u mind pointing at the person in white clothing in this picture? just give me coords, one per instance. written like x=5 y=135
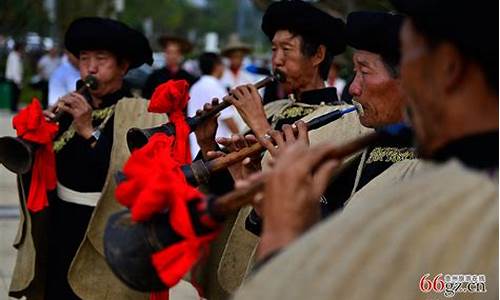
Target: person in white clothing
x=46 y=66
x=64 y=78
x=235 y=74
x=204 y=90
x=333 y=78
x=14 y=74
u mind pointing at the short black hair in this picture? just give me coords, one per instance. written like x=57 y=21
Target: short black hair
x=461 y=24
x=487 y=61
x=391 y=65
x=208 y=61
x=19 y=45
x=310 y=47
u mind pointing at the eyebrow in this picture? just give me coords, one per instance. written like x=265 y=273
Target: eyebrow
x=363 y=63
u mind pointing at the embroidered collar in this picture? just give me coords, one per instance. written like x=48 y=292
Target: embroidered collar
x=478 y=151
x=316 y=97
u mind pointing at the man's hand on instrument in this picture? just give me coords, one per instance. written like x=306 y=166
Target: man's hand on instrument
x=259 y=196
x=49 y=113
x=246 y=99
x=205 y=134
x=236 y=142
x=76 y=105
x=290 y=205
x=276 y=142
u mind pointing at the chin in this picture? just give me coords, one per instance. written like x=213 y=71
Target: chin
x=367 y=122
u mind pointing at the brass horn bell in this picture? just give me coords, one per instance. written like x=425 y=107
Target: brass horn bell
x=16 y=154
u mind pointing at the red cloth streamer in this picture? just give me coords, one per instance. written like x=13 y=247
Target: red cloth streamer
x=171 y=98
x=155 y=182
x=30 y=125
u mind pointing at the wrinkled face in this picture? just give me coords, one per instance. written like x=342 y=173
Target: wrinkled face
x=419 y=83
x=376 y=90
x=105 y=67
x=173 y=54
x=288 y=58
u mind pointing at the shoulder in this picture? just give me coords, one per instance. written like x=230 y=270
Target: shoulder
x=446 y=211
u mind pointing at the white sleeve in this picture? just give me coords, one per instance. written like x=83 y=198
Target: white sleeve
x=57 y=87
x=14 y=69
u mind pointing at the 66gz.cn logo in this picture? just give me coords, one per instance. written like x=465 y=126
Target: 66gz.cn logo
x=451 y=284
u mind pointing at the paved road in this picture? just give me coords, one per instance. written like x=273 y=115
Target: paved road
x=9 y=214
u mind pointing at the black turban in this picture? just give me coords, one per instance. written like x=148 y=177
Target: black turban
x=93 y=33
x=306 y=20
x=375 y=32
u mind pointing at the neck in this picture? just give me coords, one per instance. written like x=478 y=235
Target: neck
x=97 y=99
x=173 y=68
x=315 y=83
x=234 y=69
x=459 y=121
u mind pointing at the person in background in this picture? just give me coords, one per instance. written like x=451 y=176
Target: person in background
x=235 y=74
x=333 y=77
x=47 y=64
x=14 y=73
x=64 y=78
x=208 y=87
x=174 y=48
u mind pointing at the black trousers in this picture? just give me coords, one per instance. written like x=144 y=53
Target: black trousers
x=14 y=99
x=67 y=227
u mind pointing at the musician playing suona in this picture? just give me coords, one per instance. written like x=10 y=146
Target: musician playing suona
x=303 y=51
x=434 y=224
x=60 y=248
x=377 y=87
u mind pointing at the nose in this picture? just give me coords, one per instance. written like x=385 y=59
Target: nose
x=355 y=86
x=277 y=59
x=93 y=66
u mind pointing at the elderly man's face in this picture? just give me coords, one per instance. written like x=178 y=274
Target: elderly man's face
x=103 y=65
x=376 y=90
x=419 y=83
x=288 y=58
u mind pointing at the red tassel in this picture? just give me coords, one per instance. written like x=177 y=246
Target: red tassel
x=30 y=124
x=155 y=182
x=163 y=295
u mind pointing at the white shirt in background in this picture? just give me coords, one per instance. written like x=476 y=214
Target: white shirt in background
x=203 y=91
x=14 y=68
x=63 y=80
x=47 y=65
x=339 y=84
x=230 y=80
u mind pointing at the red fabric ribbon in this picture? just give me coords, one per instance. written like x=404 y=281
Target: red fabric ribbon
x=171 y=98
x=155 y=182
x=30 y=125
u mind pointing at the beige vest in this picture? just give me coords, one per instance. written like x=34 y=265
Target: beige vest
x=238 y=253
x=89 y=275
x=443 y=220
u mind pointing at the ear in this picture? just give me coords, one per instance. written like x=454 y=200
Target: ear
x=319 y=56
x=124 y=67
x=451 y=67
